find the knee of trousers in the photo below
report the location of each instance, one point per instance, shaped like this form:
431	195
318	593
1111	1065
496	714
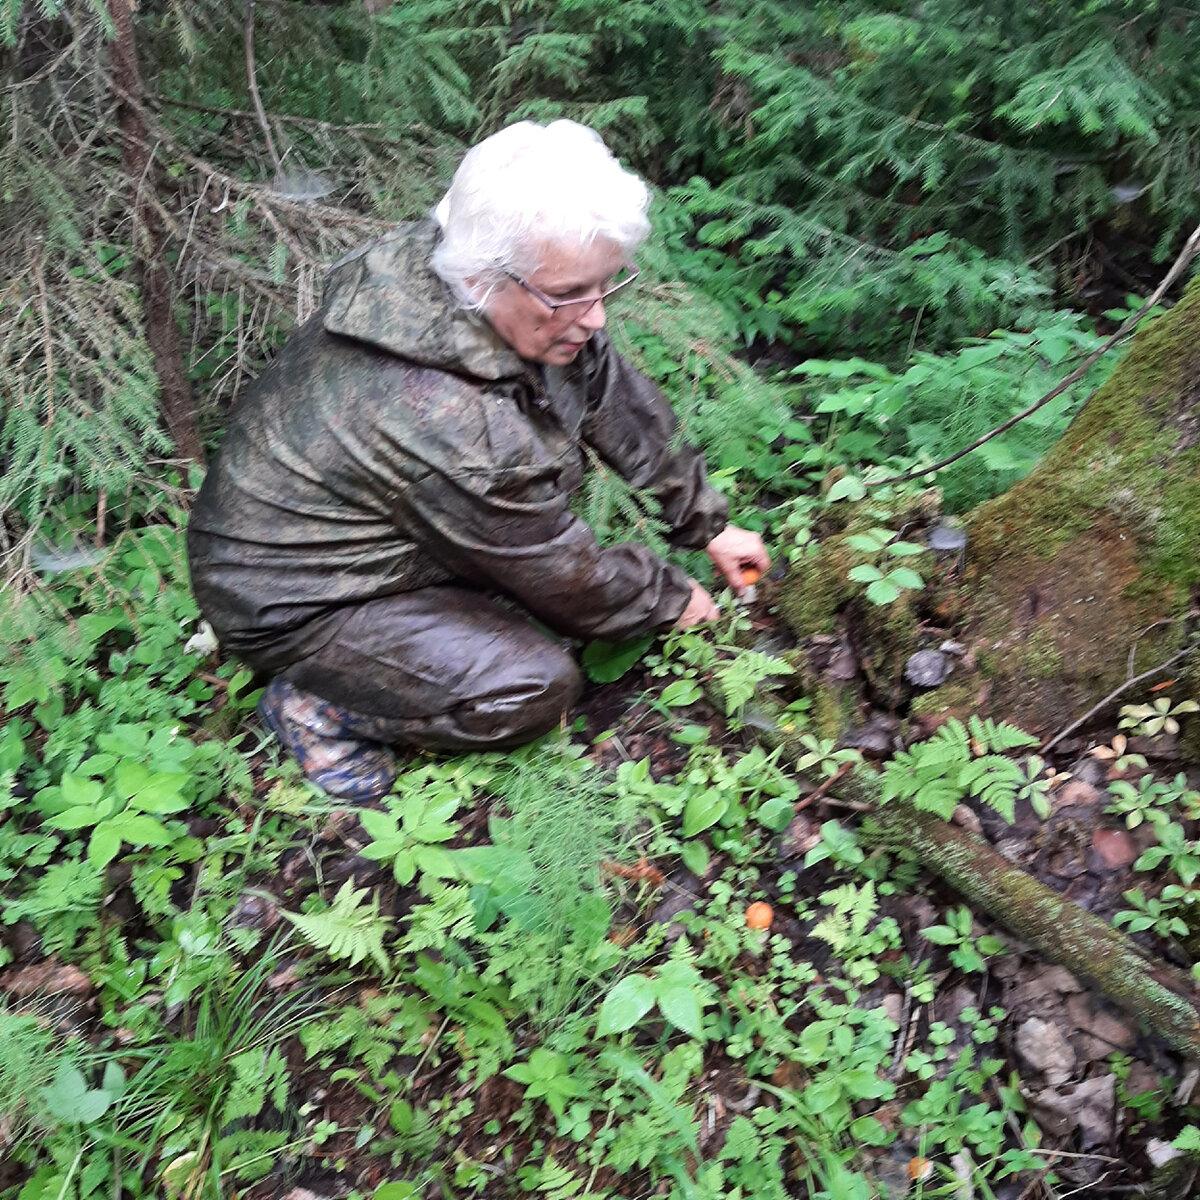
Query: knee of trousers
550	686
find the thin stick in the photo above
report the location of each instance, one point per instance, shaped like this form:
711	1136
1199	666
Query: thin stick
1190	250
822	788
252	83
1091	712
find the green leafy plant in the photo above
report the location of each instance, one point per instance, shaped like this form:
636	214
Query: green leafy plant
350	928
967	952
959	761
676	989
885	582
1156	914
1157	717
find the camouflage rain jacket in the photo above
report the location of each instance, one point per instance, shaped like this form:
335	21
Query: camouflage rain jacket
397	443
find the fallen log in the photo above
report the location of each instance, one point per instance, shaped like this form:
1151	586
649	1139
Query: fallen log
1056	928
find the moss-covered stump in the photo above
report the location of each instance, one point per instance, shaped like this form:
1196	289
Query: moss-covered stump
818	599
1093	556
1070	568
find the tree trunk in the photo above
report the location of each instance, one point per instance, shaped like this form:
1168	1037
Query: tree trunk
1078	578
150	242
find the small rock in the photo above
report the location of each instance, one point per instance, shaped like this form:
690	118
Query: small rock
1114	847
1044	1048
968	819
1076	793
875	737
1089	1106
928	668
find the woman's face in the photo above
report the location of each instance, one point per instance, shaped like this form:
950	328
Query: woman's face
554	337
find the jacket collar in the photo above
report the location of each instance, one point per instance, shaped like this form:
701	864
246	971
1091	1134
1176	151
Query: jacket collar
385	294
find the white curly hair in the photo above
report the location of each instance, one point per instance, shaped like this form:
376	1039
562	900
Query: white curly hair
527	188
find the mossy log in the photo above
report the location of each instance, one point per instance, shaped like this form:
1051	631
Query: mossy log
1056	928
1091	559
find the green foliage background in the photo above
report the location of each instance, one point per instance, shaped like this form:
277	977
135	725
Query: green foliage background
880	229
855	178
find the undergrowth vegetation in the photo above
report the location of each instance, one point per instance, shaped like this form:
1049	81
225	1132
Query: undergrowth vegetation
879	234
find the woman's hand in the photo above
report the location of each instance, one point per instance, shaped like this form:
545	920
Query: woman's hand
699	608
735	550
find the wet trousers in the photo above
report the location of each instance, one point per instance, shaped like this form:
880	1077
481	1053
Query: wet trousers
441	668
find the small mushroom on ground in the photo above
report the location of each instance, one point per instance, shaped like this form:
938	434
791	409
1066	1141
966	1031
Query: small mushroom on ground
947	539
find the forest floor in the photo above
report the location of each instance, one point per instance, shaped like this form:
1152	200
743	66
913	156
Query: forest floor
1028	1061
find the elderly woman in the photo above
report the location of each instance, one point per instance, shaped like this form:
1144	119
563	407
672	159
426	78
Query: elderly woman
391	504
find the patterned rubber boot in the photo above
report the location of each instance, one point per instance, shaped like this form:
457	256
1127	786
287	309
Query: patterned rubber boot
321	737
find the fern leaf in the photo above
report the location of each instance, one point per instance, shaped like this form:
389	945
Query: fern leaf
349	929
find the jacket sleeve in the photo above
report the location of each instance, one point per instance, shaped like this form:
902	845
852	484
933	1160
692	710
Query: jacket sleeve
631	426
514	531
474	484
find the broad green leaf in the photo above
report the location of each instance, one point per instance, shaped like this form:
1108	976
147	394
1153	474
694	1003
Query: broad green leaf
139	830
883	591
74	818
940	935
628	1002
847	488
604	662
776	813
79	790
864	573
866	542
695	857
70	1099
681	1006
905	577
396	1191
703	810
104	846
681	693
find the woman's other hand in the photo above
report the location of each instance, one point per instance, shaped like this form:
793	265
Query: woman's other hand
734	551
700	608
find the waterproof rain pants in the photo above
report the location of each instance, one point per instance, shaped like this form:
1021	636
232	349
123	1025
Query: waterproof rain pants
441	668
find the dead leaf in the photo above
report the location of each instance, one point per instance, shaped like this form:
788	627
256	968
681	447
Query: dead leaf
1044	1048
49	977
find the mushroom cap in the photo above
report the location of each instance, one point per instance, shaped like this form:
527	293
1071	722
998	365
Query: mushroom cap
945	537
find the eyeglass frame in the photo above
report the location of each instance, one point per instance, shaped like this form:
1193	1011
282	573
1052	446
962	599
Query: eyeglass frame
587	302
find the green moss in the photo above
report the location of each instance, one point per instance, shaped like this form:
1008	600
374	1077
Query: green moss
955	698
1041	655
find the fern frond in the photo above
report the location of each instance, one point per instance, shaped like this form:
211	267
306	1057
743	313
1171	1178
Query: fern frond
351	928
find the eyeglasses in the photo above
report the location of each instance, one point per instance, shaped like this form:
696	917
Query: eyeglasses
577	308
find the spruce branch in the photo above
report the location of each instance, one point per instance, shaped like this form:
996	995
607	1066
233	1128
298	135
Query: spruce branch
252	84
1189	252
